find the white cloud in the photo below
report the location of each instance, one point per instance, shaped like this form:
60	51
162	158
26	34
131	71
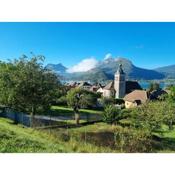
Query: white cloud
107	56
84	65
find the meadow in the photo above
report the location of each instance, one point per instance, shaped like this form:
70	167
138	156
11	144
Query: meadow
94	138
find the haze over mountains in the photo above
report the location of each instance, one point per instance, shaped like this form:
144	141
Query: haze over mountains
106	69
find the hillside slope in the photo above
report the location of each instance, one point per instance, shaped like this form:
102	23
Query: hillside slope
132	72
168	71
58	68
15	138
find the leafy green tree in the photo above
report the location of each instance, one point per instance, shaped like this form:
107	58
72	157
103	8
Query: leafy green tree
89	99
169	114
111	114
62	101
149	116
169	108
172	94
168	87
154	86
74	100
105	101
26	86
78	98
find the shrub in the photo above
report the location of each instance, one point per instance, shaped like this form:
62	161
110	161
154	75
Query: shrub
62	101
133	140
154	86
111	114
105	101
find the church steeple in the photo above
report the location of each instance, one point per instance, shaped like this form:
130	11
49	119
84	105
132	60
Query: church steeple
120	83
120	70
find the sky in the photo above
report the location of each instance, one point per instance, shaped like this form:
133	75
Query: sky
81	45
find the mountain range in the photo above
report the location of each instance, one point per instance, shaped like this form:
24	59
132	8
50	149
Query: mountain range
168	71
106	69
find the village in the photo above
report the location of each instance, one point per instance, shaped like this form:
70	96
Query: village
130	92
119	116
87	87
78	87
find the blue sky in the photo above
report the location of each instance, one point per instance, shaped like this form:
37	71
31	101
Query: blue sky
147	45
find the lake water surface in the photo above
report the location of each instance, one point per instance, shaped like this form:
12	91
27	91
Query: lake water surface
163	85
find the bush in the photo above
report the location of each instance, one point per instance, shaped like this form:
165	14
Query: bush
105	101
133	140
154	86
62	101
111	114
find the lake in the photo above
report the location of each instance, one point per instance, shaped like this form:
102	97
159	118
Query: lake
163	85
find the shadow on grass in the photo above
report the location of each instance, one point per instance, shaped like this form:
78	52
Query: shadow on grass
163	143
61	124
102	139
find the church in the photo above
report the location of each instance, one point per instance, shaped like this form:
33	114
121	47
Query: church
119	87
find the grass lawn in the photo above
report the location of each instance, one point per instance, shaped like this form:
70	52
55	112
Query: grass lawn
85	114
56	110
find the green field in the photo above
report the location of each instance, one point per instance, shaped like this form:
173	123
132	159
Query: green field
17	139
57	110
92	138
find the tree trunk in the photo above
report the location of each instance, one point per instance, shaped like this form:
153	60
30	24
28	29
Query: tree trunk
32	116
77	118
113	124
171	125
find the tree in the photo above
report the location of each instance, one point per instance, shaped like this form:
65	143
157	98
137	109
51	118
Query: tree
149	116
111	114
169	113
89	99
154	86
78	98
172	94
105	101
74	100
169	105
26	86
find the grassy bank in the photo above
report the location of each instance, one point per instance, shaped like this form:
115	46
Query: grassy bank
92	138
17	139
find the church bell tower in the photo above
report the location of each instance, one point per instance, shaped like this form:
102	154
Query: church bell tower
120	83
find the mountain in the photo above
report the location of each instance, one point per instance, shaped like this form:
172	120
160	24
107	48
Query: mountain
106	69
132	72
168	71
58	68
94	75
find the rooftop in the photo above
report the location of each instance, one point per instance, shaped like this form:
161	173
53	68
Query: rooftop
137	95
